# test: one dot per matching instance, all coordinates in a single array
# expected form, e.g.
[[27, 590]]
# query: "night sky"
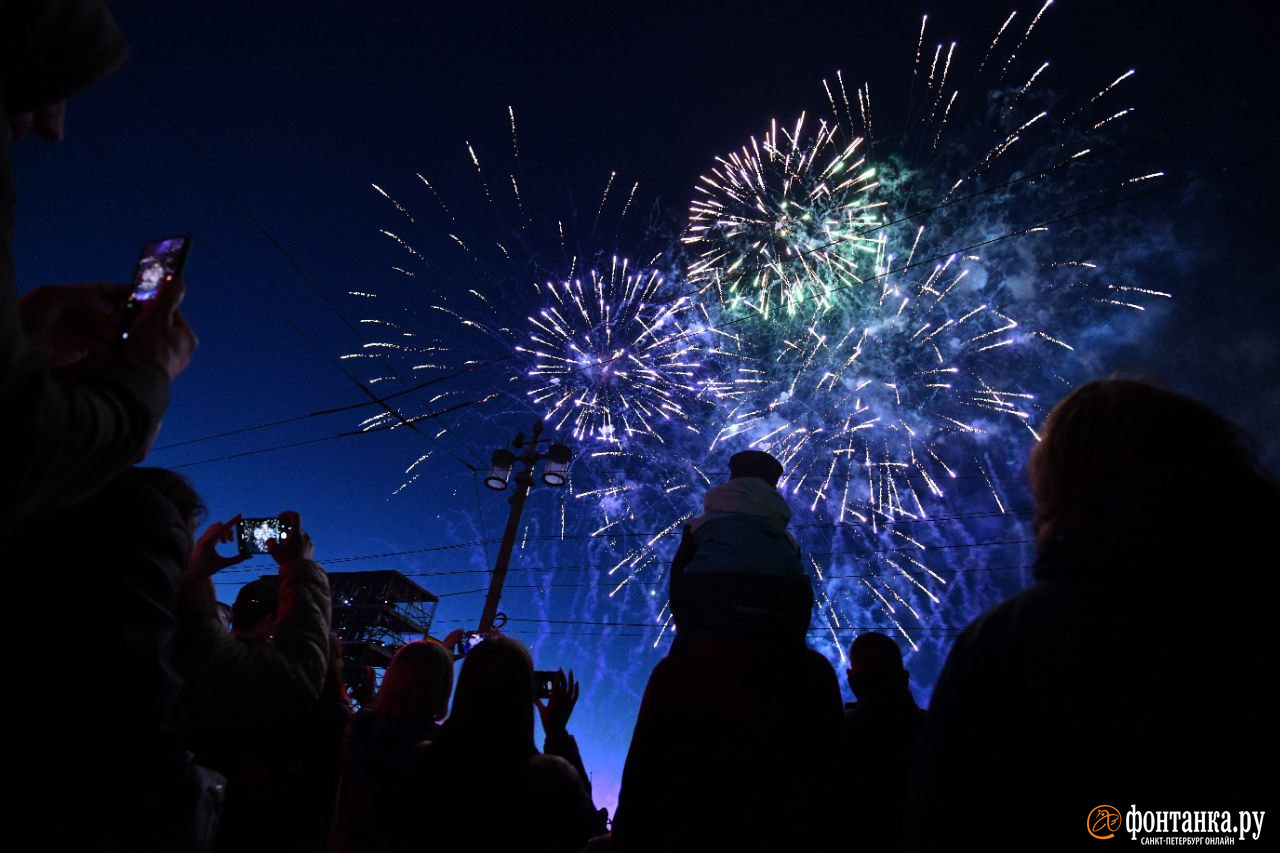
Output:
[[296, 108]]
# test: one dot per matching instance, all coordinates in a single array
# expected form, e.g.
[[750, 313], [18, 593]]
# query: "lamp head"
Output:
[[557, 467], [500, 469]]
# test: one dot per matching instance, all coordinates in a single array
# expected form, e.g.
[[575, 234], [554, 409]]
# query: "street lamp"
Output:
[[558, 456], [500, 469], [554, 473]]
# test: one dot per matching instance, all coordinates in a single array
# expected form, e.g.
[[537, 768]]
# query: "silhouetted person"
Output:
[[283, 794], [78, 409], [256, 609], [254, 695], [382, 745], [1122, 675], [737, 568], [736, 748], [882, 731], [111, 697], [481, 784], [76, 412], [276, 657], [310, 764], [736, 745]]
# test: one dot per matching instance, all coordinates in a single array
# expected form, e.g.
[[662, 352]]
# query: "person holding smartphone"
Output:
[[264, 678], [65, 433], [275, 657], [77, 527]]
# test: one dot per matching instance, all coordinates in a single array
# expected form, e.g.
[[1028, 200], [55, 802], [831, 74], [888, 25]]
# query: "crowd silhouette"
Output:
[[1123, 671]]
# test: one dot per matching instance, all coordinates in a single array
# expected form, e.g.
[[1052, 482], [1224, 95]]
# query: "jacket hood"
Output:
[[52, 49], [749, 496]]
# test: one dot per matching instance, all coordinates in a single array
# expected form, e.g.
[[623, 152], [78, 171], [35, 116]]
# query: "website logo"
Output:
[[1167, 827], [1104, 821]]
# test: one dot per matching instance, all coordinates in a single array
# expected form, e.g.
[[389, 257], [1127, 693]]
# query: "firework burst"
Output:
[[888, 314], [771, 225], [890, 321], [612, 359]]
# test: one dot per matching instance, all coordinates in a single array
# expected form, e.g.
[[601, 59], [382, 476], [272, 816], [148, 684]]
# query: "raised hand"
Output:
[[451, 639], [557, 710], [205, 561], [161, 335], [296, 545], [70, 322]]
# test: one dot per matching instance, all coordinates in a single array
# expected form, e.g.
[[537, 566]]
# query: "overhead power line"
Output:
[[551, 537], [863, 554]]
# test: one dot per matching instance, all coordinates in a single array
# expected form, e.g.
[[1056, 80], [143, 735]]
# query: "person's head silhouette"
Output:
[[875, 672], [253, 616], [755, 463], [493, 702], [1123, 458], [417, 683]]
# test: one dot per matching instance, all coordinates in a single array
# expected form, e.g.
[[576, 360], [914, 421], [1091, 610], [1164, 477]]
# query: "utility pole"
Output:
[[503, 461]]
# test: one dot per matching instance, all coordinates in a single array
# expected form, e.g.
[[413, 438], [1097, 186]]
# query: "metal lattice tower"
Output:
[[377, 612]]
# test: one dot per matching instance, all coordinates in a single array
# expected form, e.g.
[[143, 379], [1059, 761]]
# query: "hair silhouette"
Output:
[[417, 684]]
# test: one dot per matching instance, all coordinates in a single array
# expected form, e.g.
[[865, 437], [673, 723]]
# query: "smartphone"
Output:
[[252, 534], [468, 641], [161, 261], [542, 681]]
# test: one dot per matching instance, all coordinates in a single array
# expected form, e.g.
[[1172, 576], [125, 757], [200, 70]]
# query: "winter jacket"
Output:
[[235, 685], [461, 799], [743, 528], [97, 588], [283, 782], [736, 747], [378, 755], [1124, 675], [737, 568], [880, 744], [59, 440], [255, 717]]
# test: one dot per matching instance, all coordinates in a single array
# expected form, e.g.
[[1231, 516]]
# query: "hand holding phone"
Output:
[[69, 323], [160, 264], [558, 706], [205, 561], [253, 534], [450, 640], [467, 641], [152, 329], [543, 682], [293, 544]]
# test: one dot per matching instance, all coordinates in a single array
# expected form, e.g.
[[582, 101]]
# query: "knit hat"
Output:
[[755, 463]]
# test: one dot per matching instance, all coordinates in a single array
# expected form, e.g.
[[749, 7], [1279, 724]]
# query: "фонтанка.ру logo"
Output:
[[1104, 821], [1162, 827]]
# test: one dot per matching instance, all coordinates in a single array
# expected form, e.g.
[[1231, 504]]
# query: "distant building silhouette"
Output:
[[374, 614]]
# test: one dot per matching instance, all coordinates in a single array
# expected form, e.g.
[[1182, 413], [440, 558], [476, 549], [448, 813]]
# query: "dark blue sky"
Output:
[[297, 107]]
